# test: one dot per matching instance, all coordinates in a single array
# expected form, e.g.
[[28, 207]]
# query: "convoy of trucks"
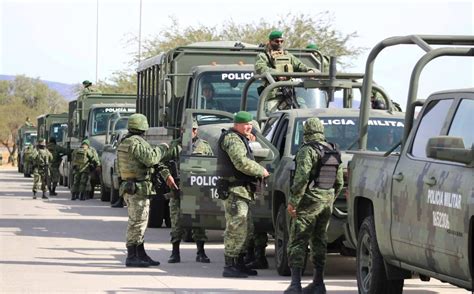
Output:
[[407, 203]]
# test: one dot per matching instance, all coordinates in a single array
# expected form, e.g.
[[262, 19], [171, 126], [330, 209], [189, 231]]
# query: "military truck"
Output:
[[173, 81], [53, 125], [412, 211], [275, 149], [87, 118], [27, 135]]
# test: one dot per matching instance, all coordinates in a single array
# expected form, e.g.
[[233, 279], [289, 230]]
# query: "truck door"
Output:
[[200, 206], [430, 211]]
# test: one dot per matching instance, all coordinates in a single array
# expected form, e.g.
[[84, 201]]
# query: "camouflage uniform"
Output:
[[41, 160], [94, 173], [135, 161], [28, 155], [236, 157], [177, 232], [57, 152], [83, 159], [313, 204], [278, 61]]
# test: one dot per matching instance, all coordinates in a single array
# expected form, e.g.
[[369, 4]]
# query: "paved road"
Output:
[[63, 246]]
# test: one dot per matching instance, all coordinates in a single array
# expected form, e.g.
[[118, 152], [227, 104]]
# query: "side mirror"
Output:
[[259, 152], [450, 149]]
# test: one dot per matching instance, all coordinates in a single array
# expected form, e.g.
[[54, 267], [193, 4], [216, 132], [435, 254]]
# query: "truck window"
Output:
[[430, 125], [463, 122], [100, 117], [56, 131], [383, 133], [270, 127], [223, 91]]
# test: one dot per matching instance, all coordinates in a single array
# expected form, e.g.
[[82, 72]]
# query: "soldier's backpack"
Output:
[[80, 157], [326, 169]]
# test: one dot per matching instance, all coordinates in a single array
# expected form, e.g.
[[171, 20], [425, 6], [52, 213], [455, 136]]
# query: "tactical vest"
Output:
[[225, 167], [325, 172], [80, 157], [130, 168], [42, 159], [282, 61]]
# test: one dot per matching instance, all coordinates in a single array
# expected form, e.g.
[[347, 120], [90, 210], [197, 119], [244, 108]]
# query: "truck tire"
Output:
[[281, 242], [371, 274], [155, 217]]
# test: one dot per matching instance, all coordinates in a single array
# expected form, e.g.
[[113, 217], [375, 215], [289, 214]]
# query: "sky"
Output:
[[56, 40]]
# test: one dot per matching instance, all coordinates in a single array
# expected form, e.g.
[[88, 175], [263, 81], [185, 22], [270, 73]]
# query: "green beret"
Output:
[[243, 117], [275, 35], [86, 142], [312, 46], [86, 82]]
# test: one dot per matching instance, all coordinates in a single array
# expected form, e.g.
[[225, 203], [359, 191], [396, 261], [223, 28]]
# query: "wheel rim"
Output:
[[365, 263]]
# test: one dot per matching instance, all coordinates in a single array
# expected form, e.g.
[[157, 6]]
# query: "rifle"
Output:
[[160, 184]]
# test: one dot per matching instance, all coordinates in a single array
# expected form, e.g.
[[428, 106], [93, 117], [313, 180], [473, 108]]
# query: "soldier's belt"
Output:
[[136, 180]]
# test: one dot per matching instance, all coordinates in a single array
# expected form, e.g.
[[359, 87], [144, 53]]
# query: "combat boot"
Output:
[[118, 203], [141, 253], [231, 270], [175, 257], [52, 192], [44, 196], [34, 194], [260, 260], [295, 286], [132, 258], [243, 268], [317, 285], [201, 254], [83, 196], [73, 195]]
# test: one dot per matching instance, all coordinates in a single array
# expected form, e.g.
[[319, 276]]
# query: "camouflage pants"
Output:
[[39, 180], [138, 207], [177, 232], [54, 171], [239, 225], [81, 181], [310, 226], [258, 240]]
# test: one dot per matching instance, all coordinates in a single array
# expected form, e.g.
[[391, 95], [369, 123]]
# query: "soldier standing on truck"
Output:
[[57, 152], [200, 147], [277, 60], [239, 174], [136, 159], [82, 159], [318, 178], [41, 161]]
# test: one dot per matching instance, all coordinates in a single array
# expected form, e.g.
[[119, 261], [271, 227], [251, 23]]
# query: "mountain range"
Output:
[[66, 90]]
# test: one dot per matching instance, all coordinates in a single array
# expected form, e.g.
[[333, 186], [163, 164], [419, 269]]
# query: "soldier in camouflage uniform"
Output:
[[83, 158], [239, 169], [28, 155], [277, 60], [41, 161], [135, 161], [57, 152], [200, 147], [318, 178], [94, 174]]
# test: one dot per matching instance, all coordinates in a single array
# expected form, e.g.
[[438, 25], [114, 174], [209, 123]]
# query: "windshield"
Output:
[[56, 131], [29, 138], [383, 133], [101, 115], [223, 91]]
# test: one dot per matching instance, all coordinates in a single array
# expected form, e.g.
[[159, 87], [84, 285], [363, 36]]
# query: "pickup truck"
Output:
[[412, 211], [281, 138]]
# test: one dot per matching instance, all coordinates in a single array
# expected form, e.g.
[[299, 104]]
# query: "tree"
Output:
[[21, 98]]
